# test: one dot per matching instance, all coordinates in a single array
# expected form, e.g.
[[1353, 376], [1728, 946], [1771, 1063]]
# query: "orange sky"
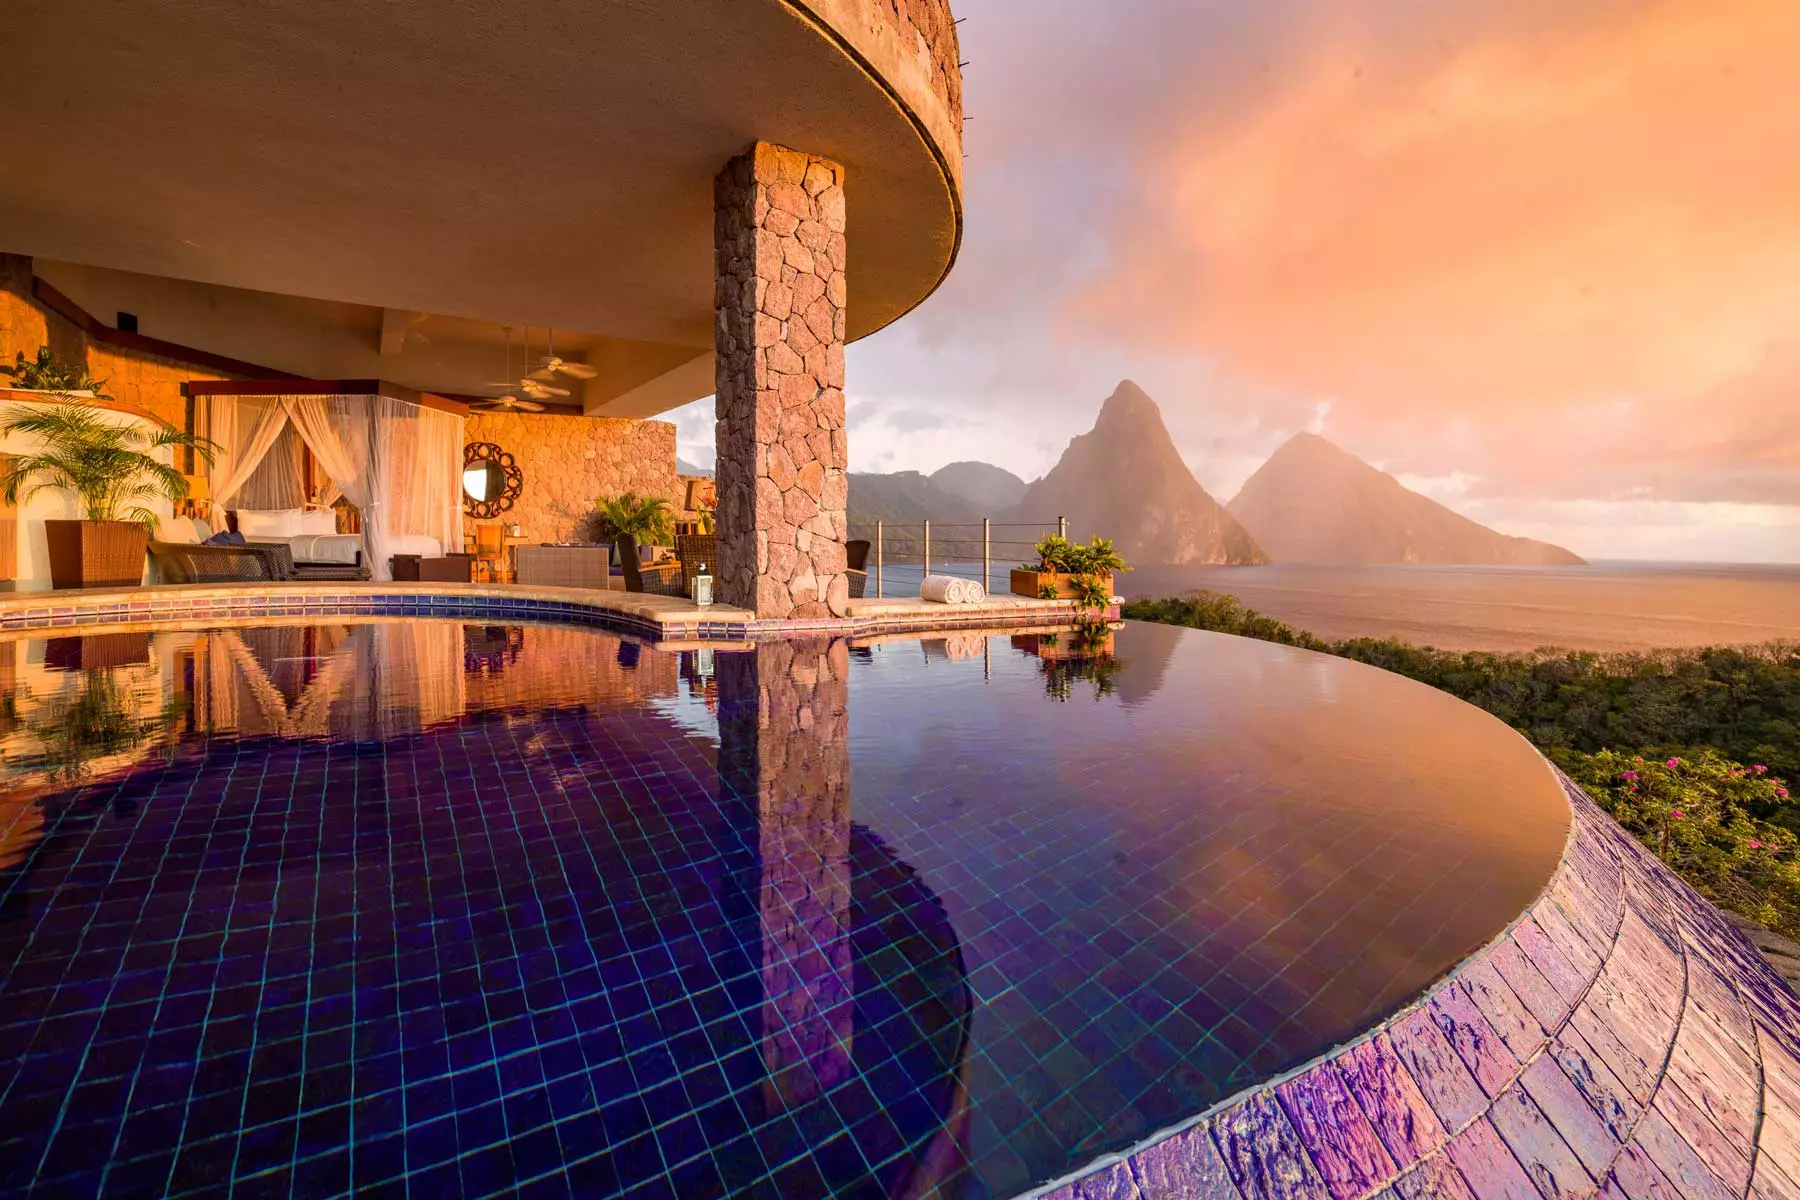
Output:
[[1539, 257]]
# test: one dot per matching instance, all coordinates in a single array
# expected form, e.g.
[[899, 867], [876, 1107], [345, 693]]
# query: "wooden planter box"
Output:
[[96, 553], [1028, 583], [1063, 647]]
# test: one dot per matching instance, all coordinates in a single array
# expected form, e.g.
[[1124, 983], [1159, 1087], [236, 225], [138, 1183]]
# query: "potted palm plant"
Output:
[[109, 467], [631, 520]]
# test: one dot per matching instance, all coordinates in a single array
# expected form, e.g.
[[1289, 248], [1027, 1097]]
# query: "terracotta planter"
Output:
[[96, 553], [1029, 583]]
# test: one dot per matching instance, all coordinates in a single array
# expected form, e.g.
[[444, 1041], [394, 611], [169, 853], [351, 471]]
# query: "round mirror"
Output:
[[491, 480]]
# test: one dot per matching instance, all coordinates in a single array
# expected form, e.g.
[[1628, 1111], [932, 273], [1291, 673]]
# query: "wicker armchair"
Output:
[[181, 563], [660, 581], [856, 561]]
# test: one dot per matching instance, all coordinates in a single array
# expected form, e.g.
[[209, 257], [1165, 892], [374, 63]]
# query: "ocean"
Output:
[[1603, 606]]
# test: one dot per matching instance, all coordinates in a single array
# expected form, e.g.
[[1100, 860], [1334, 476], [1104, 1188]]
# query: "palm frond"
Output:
[[104, 463]]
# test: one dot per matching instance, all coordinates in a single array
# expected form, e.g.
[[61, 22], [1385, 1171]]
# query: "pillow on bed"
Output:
[[273, 522], [319, 522], [178, 530]]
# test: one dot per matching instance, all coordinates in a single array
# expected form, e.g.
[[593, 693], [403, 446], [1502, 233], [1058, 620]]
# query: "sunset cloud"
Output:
[[1575, 243]]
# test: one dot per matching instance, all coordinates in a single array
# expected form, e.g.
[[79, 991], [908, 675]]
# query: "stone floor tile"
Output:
[[1555, 927], [1390, 1098], [1488, 1166], [1595, 1024], [1635, 1177], [1480, 1048], [1677, 1160], [1113, 1182], [1720, 1082], [1539, 995], [1186, 1166], [1617, 1107], [1263, 1153], [1779, 1139], [1434, 1178], [1540, 1149], [1339, 1138], [1770, 1182], [1437, 1069], [1508, 1014], [1568, 1110], [1716, 1150]]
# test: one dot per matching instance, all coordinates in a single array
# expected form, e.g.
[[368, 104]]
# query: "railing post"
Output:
[[925, 557], [987, 553], [1062, 527], [878, 556]]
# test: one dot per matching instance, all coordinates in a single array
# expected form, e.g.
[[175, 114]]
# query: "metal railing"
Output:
[[893, 544]]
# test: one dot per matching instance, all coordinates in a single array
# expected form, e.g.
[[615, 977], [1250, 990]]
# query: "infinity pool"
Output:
[[419, 907]]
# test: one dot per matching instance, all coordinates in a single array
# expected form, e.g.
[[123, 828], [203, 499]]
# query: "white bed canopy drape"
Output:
[[399, 463]]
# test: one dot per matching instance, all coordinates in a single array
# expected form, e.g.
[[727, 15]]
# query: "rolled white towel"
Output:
[[940, 589], [972, 592]]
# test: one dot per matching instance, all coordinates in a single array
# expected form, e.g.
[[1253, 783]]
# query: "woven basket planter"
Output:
[[96, 553], [1029, 583]]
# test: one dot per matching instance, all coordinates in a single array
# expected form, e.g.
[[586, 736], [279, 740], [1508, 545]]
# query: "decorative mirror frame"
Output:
[[488, 452]]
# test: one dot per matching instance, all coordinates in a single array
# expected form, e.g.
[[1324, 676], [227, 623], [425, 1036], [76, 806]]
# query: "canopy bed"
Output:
[[289, 451]]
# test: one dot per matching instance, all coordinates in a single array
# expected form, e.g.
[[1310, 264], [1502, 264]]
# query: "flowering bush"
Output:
[[1708, 817]]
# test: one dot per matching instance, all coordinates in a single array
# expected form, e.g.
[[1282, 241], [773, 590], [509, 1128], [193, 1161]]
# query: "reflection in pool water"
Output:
[[457, 907]]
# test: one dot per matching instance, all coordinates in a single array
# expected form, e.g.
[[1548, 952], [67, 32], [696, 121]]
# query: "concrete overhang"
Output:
[[462, 165]]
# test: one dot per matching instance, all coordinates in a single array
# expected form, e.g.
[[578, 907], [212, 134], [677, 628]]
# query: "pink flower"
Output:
[[1672, 763], [1760, 769], [1676, 813], [1781, 791], [1755, 845], [1630, 776]]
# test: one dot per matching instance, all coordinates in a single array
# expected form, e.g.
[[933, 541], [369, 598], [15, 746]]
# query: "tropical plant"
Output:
[[105, 717], [107, 465], [1047, 591], [47, 373], [1058, 555], [1090, 592], [646, 520]]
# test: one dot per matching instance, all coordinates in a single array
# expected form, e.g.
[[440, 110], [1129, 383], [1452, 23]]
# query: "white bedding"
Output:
[[420, 544]]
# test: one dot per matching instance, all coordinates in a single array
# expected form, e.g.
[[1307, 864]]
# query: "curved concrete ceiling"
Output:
[[548, 164]]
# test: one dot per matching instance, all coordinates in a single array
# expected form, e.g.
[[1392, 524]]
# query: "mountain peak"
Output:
[[1315, 502], [1125, 480], [1128, 402]]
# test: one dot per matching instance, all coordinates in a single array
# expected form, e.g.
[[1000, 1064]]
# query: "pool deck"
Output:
[[660, 618]]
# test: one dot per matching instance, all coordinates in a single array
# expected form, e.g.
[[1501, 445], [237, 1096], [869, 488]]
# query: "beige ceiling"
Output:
[[547, 164]]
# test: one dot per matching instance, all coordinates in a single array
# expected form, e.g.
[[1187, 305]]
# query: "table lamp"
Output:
[[199, 491]]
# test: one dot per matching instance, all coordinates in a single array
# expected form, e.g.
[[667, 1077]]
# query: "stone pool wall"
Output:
[[1620, 1040]]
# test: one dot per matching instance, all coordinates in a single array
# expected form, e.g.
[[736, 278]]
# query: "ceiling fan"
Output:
[[521, 395], [551, 365]]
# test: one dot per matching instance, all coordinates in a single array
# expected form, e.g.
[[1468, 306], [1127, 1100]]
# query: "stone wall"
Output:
[[567, 462], [780, 259], [929, 25], [144, 381], [1621, 1040]]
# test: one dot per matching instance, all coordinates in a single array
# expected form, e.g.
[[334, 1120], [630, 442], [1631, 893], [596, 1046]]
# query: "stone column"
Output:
[[779, 262], [784, 733]]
